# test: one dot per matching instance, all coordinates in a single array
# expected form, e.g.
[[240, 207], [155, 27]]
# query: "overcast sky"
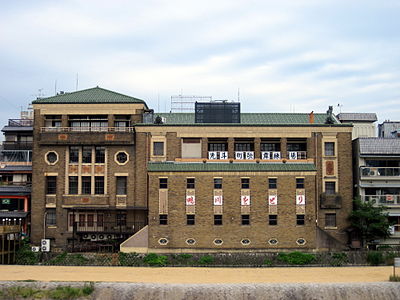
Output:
[[287, 55]]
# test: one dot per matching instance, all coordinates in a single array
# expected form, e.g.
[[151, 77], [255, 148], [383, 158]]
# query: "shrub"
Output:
[[375, 258], [129, 259], [206, 260], [184, 256], [152, 259], [267, 262], [296, 258], [338, 259], [395, 278], [25, 256]]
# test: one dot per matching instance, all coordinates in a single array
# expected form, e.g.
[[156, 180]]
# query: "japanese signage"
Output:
[[245, 200], [218, 200], [244, 155], [273, 200], [190, 200], [300, 200], [218, 155], [270, 155], [292, 155]]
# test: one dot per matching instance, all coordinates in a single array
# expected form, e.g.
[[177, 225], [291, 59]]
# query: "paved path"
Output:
[[196, 275]]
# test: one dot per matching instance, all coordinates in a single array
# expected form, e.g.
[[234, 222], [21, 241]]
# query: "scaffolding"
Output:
[[185, 103]]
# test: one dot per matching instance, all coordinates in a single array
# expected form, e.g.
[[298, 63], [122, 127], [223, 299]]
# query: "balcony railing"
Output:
[[86, 129], [217, 154], [109, 227], [395, 230], [11, 145], [15, 156], [244, 155], [379, 172], [271, 155], [20, 122], [15, 183], [330, 200], [383, 199], [297, 155]]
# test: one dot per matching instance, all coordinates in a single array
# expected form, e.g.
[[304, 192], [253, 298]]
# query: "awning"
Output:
[[13, 214]]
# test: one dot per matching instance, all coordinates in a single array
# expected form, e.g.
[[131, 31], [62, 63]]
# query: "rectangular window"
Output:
[[273, 220], [100, 155], [163, 219], [73, 185], [329, 149], [121, 185], [330, 220], [223, 146], [87, 155], [245, 219], [217, 219], [73, 155], [190, 219], [299, 183], [51, 217], [245, 183], [272, 183], [330, 187], [99, 185], [82, 220], [51, 185], [163, 183], [100, 220], [218, 183], [120, 219], [191, 148], [190, 183], [90, 220], [158, 148], [86, 185], [300, 219]]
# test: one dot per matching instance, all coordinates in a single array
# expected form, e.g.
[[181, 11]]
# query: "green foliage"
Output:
[[67, 292], [184, 256], [338, 259], [25, 256], [206, 260], [153, 259], [375, 258], [394, 278], [267, 262], [296, 258], [129, 259], [370, 221], [65, 259]]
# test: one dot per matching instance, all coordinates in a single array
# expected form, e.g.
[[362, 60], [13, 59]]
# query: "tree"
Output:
[[370, 221]]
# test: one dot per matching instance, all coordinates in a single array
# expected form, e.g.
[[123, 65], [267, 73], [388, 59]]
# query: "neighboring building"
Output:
[[256, 182], [377, 176], [389, 129], [363, 123], [16, 172]]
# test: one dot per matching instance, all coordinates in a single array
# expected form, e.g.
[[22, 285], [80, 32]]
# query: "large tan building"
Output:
[[106, 168]]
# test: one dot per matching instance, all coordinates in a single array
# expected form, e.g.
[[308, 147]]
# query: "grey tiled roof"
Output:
[[12, 168], [378, 146], [357, 117]]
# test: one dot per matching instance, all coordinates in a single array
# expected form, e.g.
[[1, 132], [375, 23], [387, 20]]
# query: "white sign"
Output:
[[212, 155], [397, 261], [265, 155], [273, 200], [276, 155], [245, 200], [218, 200], [190, 200], [292, 155], [300, 200]]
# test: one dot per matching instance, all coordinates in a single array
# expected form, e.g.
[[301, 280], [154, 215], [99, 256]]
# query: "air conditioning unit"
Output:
[[110, 236], [101, 237], [45, 245], [93, 237], [35, 249], [86, 236]]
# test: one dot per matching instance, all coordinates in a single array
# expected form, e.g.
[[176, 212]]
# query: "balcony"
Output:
[[330, 200], [86, 129], [11, 145], [213, 155], [294, 155], [16, 157], [20, 122], [86, 200], [108, 227], [268, 155], [386, 200], [244, 155], [379, 172]]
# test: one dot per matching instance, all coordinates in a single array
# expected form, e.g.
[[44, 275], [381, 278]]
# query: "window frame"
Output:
[[218, 185], [157, 151], [86, 185], [272, 183], [245, 220], [245, 183], [163, 185], [330, 184], [51, 185], [334, 219], [51, 217], [76, 188], [329, 151], [121, 180], [190, 219], [273, 220], [163, 219], [218, 220], [300, 183], [99, 185], [192, 184], [300, 220]]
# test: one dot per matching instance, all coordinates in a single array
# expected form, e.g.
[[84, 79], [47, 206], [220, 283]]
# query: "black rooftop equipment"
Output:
[[217, 112]]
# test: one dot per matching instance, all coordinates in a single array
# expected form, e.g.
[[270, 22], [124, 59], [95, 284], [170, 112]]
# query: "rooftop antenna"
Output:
[[238, 94], [340, 107], [55, 88], [77, 80], [158, 102]]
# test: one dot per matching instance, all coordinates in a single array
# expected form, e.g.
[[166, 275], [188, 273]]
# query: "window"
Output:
[[121, 158], [86, 185], [190, 183], [87, 155], [121, 185], [51, 185], [99, 185], [273, 220], [245, 219], [191, 148], [330, 220], [222, 146], [120, 219], [163, 219], [73, 155], [163, 183], [330, 187], [190, 219], [329, 149], [299, 183], [51, 217], [271, 146], [217, 219], [73, 185], [272, 183], [245, 183], [244, 147], [300, 219], [217, 183], [52, 158], [90, 220], [158, 148], [100, 155]]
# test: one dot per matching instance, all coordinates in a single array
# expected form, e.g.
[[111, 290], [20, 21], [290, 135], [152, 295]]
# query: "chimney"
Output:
[[311, 117]]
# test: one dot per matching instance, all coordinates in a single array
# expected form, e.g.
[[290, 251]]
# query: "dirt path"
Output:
[[196, 275]]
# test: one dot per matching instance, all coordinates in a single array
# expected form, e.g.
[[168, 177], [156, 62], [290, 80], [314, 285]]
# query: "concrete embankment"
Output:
[[292, 291]]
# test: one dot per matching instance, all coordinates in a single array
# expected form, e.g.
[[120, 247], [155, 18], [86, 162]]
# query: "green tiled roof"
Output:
[[251, 118], [228, 167], [93, 95]]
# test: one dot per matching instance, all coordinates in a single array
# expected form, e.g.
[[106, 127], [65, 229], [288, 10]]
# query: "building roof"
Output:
[[379, 146], [19, 128], [357, 117], [92, 96], [15, 190], [228, 167], [13, 214], [250, 119], [4, 168]]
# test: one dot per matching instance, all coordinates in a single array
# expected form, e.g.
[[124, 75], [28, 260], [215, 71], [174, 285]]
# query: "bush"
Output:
[[152, 259], [296, 258], [395, 278], [25, 256], [375, 258], [65, 259], [184, 256], [267, 262], [206, 260], [129, 259], [338, 259]]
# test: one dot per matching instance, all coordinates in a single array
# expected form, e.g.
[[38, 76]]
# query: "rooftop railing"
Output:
[[20, 122], [15, 155], [382, 199], [86, 129], [379, 171]]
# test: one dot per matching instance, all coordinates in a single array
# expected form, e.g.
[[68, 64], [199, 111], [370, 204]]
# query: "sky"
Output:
[[275, 56]]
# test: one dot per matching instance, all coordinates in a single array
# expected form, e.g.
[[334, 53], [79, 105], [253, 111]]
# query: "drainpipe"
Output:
[[44, 224]]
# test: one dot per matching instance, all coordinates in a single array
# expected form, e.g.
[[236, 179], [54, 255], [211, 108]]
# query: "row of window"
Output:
[[84, 219], [244, 242], [330, 220]]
